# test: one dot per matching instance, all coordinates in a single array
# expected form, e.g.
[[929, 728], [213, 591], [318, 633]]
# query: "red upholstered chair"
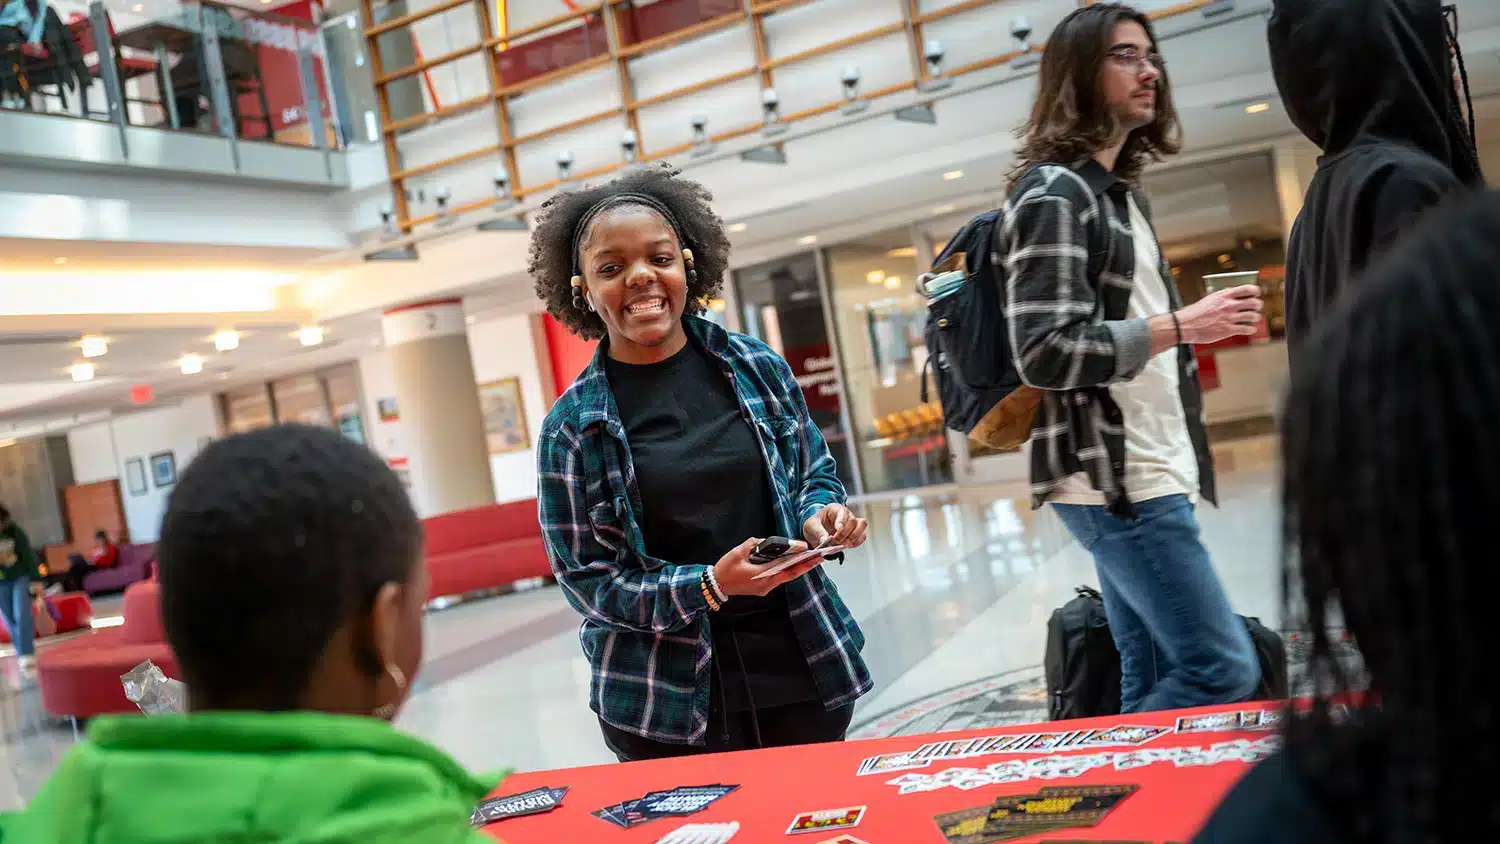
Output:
[[81, 677], [484, 548]]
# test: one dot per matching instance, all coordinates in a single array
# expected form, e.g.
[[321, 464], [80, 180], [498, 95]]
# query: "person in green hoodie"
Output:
[[292, 589], [18, 572]]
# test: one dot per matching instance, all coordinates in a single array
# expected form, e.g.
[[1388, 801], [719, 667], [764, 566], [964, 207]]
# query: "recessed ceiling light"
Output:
[[902, 252], [227, 341], [310, 335], [190, 364], [94, 347], [875, 276], [953, 175], [736, 228], [83, 372], [1257, 108], [59, 260], [893, 283], [138, 8], [945, 208], [807, 240]]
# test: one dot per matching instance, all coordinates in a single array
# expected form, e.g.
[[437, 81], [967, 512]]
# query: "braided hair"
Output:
[[1392, 478], [564, 223]]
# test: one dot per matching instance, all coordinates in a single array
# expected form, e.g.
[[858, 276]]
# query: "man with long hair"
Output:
[[1119, 447], [1380, 87]]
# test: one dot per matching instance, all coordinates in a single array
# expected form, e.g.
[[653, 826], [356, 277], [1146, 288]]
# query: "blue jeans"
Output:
[[1180, 642], [15, 606]]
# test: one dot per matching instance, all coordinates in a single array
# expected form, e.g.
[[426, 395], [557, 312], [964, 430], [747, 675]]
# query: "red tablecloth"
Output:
[[1182, 763]]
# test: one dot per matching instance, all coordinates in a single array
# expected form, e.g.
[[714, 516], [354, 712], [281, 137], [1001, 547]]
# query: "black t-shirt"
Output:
[[704, 490]]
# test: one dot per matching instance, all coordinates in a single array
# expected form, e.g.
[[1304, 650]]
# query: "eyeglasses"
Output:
[[1132, 58], [1450, 20]]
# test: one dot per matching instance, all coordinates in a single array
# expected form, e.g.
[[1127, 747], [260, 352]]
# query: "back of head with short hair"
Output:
[[274, 540]]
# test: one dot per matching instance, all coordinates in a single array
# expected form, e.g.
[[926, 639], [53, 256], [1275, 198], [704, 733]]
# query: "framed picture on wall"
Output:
[[504, 416], [163, 469], [135, 476]]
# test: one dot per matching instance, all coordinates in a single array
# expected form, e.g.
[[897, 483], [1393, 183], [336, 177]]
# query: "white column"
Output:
[[1294, 161], [441, 422]]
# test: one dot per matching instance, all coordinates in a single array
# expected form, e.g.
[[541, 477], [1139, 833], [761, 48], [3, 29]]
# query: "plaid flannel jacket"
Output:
[[646, 622], [1069, 256]]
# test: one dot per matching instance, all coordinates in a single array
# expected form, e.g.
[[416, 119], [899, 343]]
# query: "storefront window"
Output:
[[343, 400], [782, 304], [880, 318], [300, 399], [247, 409], [329, 398]]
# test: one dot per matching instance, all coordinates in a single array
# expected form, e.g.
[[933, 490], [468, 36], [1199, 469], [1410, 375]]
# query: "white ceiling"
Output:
[[1200, 203]]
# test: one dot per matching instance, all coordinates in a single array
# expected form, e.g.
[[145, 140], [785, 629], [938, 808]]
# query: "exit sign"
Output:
[[141, 394]]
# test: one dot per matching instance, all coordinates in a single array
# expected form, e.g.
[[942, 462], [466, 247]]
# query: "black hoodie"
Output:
[[1371, 83]]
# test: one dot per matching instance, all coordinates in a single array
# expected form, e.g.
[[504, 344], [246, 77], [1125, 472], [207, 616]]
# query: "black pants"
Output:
[[780, 726], [72, 579]]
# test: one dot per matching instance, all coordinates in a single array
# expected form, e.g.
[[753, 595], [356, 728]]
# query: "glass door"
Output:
[[781, 303], [880, 317]]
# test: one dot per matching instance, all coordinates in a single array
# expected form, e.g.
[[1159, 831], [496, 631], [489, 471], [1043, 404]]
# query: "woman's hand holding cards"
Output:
[[835, 524], [736, 573]]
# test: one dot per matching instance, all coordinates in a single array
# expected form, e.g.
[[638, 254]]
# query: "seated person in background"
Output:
[[104, 555], [1392, 473], [292, 588]]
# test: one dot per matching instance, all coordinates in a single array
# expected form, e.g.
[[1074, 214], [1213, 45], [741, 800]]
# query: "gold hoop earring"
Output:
[[387, 710]]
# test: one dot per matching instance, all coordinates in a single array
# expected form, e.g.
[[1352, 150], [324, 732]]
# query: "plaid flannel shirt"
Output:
[[1069, 256], [646, 621]]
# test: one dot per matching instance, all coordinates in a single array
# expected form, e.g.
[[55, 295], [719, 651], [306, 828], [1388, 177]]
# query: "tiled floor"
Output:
[[953, 591]]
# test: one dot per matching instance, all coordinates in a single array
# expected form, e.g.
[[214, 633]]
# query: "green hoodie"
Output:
[[237, 778]]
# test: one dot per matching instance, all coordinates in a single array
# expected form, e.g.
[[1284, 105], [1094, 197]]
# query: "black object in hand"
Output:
[[771, 549]]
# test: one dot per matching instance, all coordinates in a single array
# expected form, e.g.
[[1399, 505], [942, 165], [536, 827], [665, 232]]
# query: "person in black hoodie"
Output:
[[1391, 486], [1380, 87]]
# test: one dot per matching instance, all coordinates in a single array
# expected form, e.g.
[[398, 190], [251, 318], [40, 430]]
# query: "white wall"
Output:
[[99, 452], [500, 348], [92, 449]]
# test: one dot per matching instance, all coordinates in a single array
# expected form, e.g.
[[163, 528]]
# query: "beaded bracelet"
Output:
[[708, 596], [713, 584]]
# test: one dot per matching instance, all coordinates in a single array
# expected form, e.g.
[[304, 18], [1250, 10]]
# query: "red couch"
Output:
[[81, 677], [136, 562], [484, 548]]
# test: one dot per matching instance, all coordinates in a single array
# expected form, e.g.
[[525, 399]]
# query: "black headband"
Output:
[[622, 199]]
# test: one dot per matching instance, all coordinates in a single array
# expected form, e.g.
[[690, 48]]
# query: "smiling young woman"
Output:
[[680, 445]]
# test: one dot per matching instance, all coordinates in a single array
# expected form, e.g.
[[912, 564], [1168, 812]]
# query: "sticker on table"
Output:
[[533, 802], [1053, 808], [826, 819], [1121, 735], [1241, 751], [844, 839], [701, 833], [686, 800]]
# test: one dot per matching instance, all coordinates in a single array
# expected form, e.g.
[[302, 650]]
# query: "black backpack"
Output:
[[968, 341], [1083, 666]]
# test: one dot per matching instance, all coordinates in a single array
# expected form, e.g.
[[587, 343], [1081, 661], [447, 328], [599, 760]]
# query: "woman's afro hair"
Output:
[[552, 262]]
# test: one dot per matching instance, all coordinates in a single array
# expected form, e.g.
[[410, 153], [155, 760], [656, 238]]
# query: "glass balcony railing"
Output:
[[181, 66]]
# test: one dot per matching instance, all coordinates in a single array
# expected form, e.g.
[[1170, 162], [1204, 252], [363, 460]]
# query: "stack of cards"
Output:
[[686, 800], [1025, 815], [532, 802], [701, 833]]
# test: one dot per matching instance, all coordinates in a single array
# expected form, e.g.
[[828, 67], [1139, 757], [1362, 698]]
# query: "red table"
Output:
[[1181, 762]]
